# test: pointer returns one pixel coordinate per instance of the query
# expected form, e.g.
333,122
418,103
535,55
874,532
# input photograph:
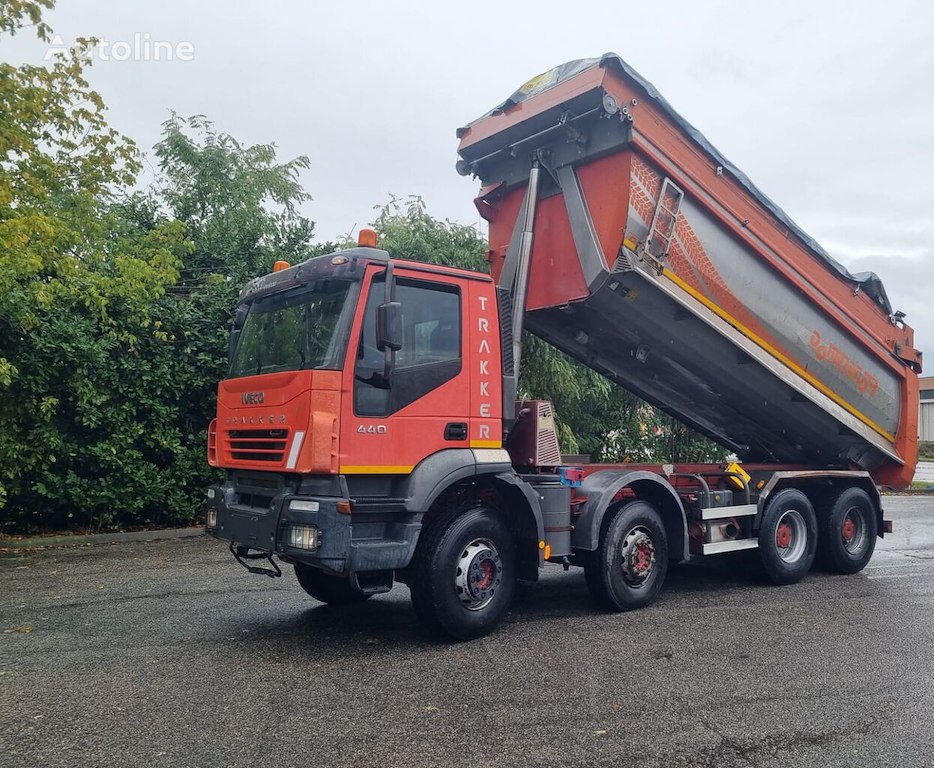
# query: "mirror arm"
389,289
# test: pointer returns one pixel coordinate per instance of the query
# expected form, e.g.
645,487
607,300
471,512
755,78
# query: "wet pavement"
169,654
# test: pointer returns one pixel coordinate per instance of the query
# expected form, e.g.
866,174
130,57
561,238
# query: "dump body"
657,263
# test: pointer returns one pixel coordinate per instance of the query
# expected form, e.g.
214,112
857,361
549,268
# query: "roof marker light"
280,265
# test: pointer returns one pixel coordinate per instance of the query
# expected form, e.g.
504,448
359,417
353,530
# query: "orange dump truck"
369,427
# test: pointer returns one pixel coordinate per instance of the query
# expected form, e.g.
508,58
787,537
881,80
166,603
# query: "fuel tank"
658,263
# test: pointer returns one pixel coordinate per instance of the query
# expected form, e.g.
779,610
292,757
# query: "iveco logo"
253,398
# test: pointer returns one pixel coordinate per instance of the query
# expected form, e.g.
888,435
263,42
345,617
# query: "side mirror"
389,326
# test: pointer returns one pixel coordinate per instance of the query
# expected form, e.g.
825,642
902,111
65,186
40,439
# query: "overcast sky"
827,106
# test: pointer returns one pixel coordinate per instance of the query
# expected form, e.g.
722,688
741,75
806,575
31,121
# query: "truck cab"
350,405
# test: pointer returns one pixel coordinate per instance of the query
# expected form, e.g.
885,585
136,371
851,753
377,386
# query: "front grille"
256,491
258,444
255,500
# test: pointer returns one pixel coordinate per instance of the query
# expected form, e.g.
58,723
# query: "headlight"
212,518
303,505
302,536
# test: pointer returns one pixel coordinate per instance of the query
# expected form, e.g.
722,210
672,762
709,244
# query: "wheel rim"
791,536
637,556
478,574
853,531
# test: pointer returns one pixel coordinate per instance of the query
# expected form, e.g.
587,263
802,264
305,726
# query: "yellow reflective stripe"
486,443
377,469
776,354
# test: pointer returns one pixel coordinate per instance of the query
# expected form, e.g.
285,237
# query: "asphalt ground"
168,653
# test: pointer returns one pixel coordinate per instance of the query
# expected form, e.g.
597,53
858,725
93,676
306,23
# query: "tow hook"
242,554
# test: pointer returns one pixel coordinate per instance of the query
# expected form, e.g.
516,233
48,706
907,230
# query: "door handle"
455,431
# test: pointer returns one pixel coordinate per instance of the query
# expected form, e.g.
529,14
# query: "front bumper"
261,522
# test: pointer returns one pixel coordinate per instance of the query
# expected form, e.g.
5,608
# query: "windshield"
295,331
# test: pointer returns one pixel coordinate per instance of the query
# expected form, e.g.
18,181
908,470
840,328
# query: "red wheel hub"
783,535
849,529
642,557
487,574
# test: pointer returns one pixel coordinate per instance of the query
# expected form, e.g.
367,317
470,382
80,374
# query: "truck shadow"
388,624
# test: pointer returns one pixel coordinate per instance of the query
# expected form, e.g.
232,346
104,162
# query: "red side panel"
394,444
607,194
482,357
557,277
502,215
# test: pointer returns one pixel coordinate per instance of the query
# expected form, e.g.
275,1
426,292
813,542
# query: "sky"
827,106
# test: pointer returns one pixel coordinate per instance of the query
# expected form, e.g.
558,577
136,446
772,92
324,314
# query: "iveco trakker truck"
369,428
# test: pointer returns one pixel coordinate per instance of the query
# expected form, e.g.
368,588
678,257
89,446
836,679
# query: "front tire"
464,574
787,537
847,532
629,567
332,590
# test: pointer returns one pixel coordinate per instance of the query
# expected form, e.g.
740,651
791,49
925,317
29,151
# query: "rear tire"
629,566
332,590
847,532
463,574
787,537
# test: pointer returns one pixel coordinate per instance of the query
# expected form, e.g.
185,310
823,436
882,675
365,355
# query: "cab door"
390,430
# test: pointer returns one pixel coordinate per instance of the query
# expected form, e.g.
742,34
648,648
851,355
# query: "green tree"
238,207
239,204
408,231
77,283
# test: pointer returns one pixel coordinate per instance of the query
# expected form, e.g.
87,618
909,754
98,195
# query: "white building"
926,422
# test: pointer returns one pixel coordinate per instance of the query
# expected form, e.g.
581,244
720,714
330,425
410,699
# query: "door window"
431,346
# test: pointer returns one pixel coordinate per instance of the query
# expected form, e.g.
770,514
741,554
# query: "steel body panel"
800,329
710,383
721,513
736,545
716,265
